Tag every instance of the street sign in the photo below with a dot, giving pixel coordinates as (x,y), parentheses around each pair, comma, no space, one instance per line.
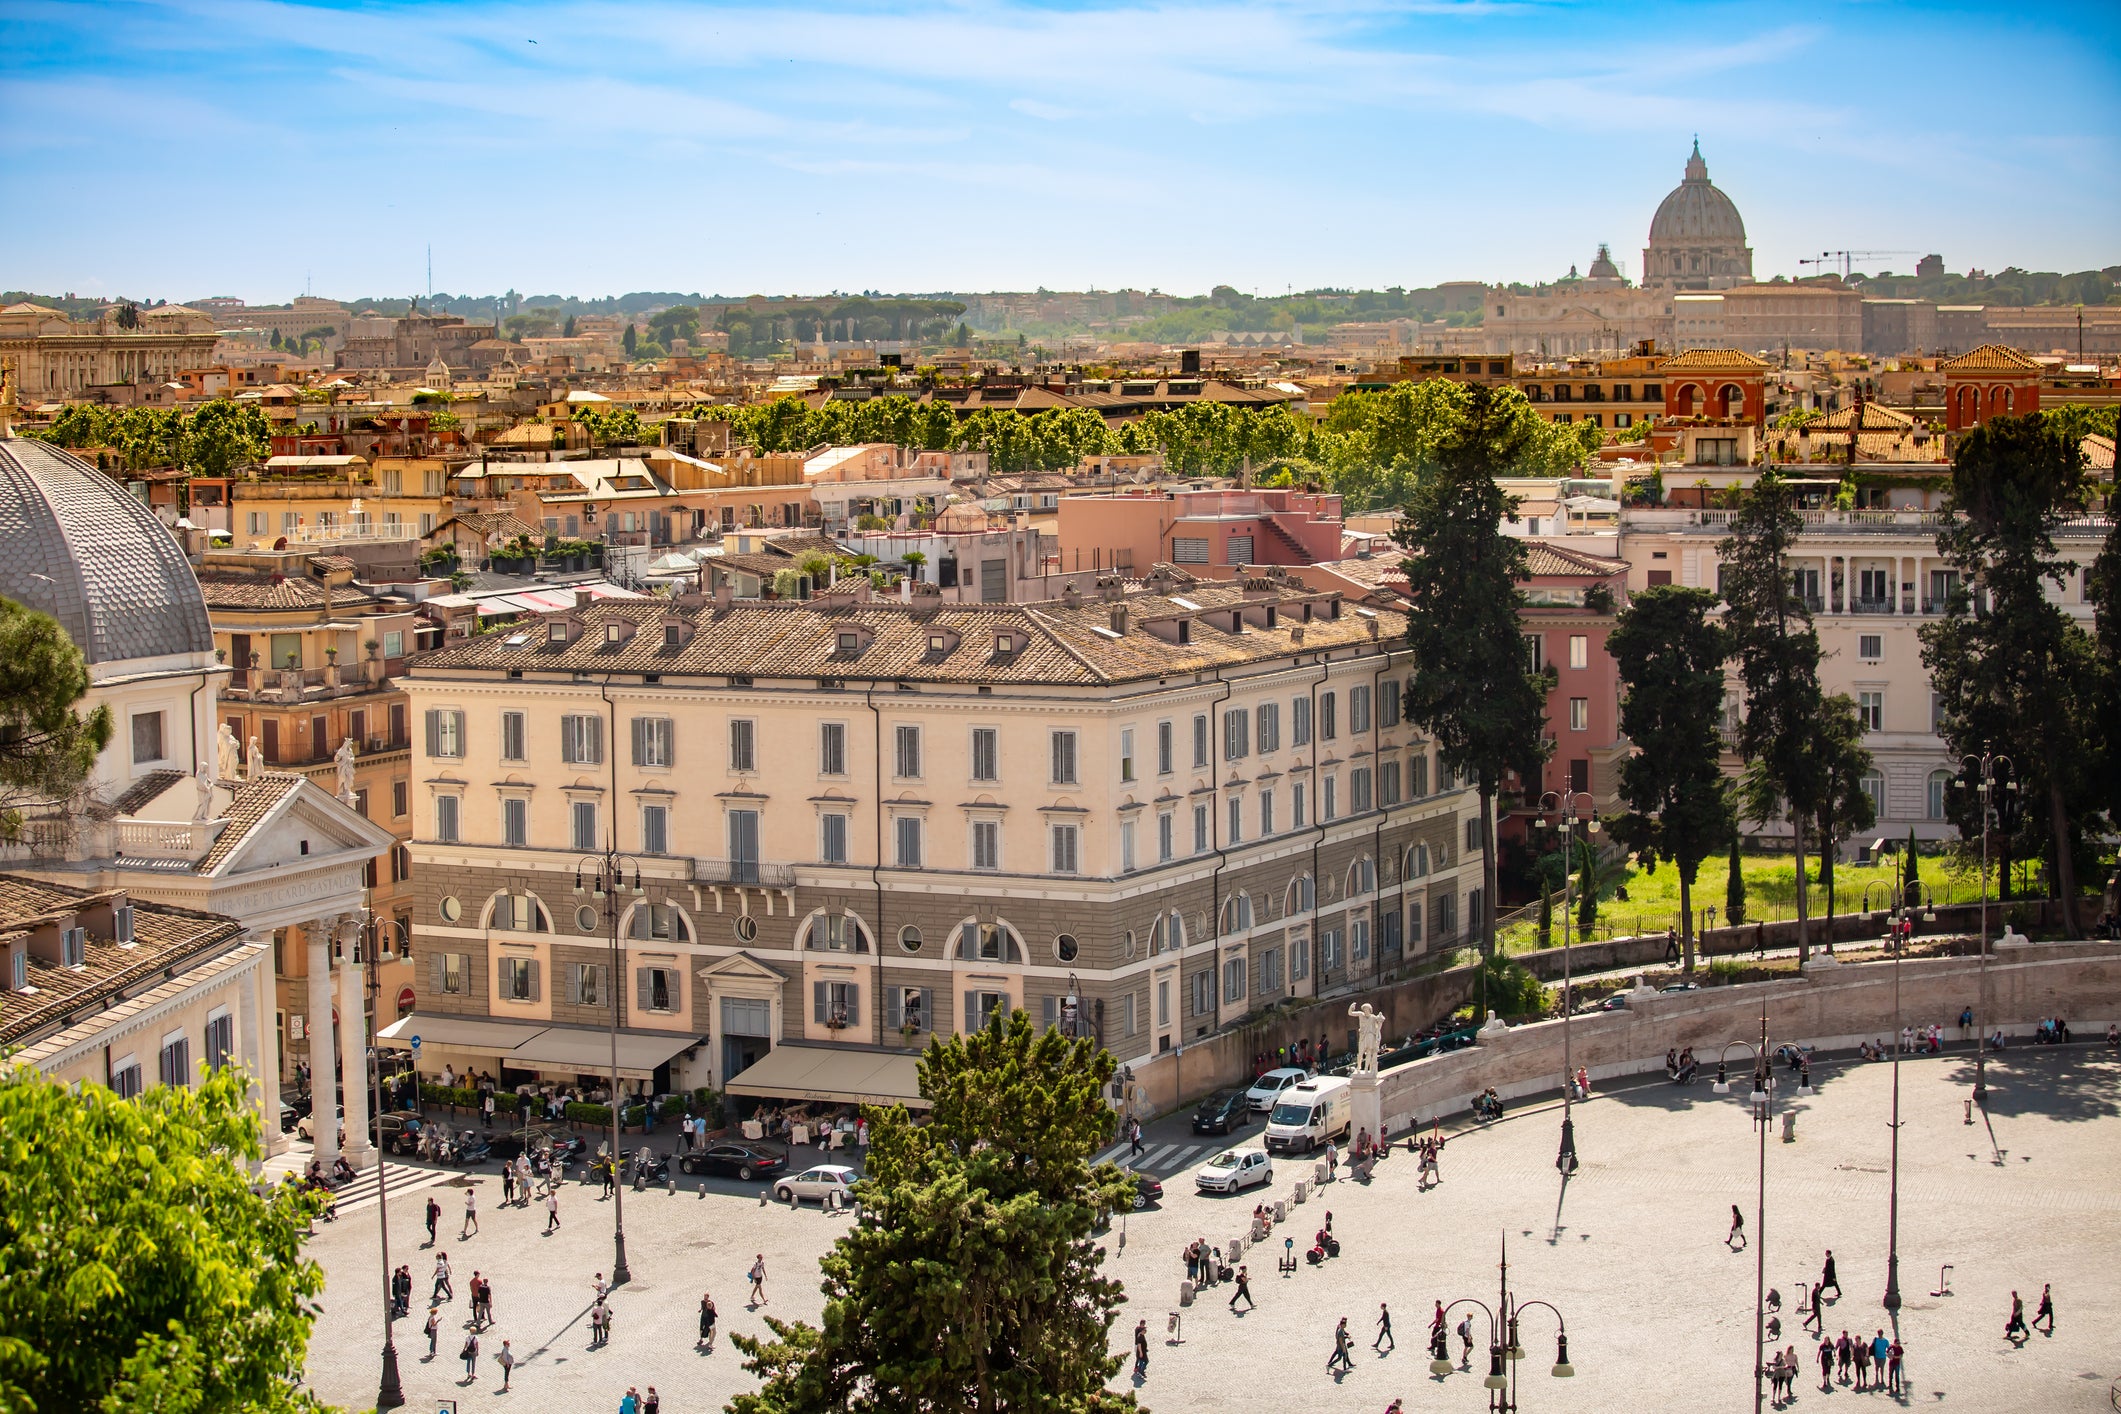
(416,1043)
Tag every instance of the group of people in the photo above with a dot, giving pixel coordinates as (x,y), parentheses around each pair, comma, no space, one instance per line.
(1873,1364)
(1300,1056)
(1428,1173)
(1487,1105)
(1680,1067)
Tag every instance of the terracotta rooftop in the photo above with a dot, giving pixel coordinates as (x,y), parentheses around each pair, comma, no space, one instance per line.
(1546,558)
(163,937)
(253,800)
(1989,358)
(262,592)
(1714,361)
(1051,643)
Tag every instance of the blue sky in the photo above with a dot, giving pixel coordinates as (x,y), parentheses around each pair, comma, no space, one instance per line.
(178,148)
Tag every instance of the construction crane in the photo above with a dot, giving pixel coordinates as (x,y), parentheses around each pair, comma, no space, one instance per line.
(1842,258)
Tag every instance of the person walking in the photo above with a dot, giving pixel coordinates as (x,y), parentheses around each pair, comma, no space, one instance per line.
(434,1216)
(471,1214)
(552,1209)
(1827,1279)
(1844,1356)
(758,1281)
(471,1356)
(1735,1238)
(1862,1352)
(1340,1356)
(630,1403)
(2046,1310)
(1881,1351)
(707,1315)
(1244,1289)
(2015,1330)
(1141,1349)
(433,1329)
(1384,1328)
(1134,1138)
(507,1361)
(1826,1362)
(1894,1355)
(442,1289)
(1465,1336)
(651,1402)
(508,1184)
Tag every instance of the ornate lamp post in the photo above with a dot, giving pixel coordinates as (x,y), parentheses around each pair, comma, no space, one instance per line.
(1566,807)
(1913,899)
(1991,780)
(390,1392)
(1504,1350)
(1762,1103)
(603,877)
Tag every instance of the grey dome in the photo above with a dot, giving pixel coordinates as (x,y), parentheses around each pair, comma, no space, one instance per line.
(1696,210)
(76,545)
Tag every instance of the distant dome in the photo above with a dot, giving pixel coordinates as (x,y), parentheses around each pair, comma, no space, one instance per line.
(85,551)
(1603,267)
(1696,210)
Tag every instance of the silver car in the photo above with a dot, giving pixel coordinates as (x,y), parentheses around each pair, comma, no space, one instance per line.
(819,1183)
(1233,1170)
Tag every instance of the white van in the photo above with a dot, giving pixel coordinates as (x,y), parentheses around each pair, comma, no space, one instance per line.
(1309,1113)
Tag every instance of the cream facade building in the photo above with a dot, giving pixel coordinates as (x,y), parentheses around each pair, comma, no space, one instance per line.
(1141,814)
(55,357)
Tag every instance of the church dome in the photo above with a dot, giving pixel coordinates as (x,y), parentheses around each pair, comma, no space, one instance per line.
(84,550)
(1696,211)
(1603,267)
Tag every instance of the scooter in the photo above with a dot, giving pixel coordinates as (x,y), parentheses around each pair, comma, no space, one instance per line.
(469,1149)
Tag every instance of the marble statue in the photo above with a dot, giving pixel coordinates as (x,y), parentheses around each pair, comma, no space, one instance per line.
(228,755)
(343,758)
(257,758)
(1371,1024)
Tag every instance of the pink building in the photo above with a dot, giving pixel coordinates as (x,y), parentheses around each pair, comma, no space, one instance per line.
(1133,530)
(1572,597)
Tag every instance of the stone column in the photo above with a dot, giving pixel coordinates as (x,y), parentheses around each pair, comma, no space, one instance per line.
(266,1018)
(323,1052)
(1366,1110)
(353,1041)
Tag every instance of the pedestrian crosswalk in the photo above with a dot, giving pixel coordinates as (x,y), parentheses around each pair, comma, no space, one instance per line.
(1159,1160)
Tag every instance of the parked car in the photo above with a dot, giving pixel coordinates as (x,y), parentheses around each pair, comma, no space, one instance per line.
(729,1158)
(307,1127)
(1147,1190)
(1267,1089)
(1221,1112)
(819,1183)
(1233,1170)
(399,1131)
(1680,987)
(530,1139)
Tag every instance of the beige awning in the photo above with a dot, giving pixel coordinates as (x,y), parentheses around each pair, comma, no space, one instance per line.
(583,1051)
(833,1074)
(474,1033)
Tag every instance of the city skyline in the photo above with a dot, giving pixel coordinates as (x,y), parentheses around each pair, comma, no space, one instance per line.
(1018,146)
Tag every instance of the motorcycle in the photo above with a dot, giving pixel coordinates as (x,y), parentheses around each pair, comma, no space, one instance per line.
(468,1149)
(648,1167)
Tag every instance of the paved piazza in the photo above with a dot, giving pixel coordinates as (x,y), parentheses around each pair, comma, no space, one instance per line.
(1659,1310)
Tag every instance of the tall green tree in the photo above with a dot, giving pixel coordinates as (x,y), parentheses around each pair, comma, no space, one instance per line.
(138,1271)
(1734,888)
(47,748)
(224,436)
(1911,874)
(1670,652)
(1845,807)
(970,1281)
(1472,688)
(2011,670)
(1777,651)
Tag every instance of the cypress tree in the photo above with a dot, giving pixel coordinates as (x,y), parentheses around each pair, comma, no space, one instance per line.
(1734,889)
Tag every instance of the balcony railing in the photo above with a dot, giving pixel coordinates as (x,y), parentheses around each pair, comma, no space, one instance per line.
(165,839)
(1871,606)
(386,531)
(744,871)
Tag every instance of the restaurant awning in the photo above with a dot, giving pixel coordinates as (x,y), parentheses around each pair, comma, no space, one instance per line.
(833,1074)
(476,1033)
(579,1049)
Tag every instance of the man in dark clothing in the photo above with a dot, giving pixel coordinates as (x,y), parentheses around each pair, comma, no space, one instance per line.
(1244,1290)
(434,1215)
(1384,1328)
(2047,1309)
(1340,1354)
(1141,1347)
(1827,1279)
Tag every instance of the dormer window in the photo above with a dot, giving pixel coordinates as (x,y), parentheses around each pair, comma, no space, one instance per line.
(1185,630)
(1005,643)
(556,633)
(670,635)
(612,633)
(850,642)
(938,644)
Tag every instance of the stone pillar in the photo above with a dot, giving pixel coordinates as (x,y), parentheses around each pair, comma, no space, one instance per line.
(1367,1106)
(267,1019)
(353,1041)
(255,1048)
(323,1052)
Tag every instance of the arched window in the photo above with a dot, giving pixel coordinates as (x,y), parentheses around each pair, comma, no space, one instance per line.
(659,922)
(1874,787)
(1940,781)
(1687,394)
(836,932)
(1969,404)
(1302,896)
(1237,914)
(1362,876)
(1418,861)
(1732,399)
(520,913)
(1167,933)
(989,942)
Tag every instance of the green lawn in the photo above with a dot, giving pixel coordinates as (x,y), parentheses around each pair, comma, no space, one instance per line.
(1652,902)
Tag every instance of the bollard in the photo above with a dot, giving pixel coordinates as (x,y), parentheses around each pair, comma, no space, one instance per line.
(1281,1211)
(832,1199)
(793,1201)
(762,1194)
(1302,1189)
(1185,1292)
(1318,1175)
(703,1189)
(1789,1126)
(672,1181)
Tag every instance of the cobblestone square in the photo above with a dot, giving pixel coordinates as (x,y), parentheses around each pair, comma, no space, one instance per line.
(1660,1311)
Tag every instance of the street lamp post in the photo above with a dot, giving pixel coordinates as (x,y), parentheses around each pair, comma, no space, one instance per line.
(1565,809)
(1762,1102)
(606,881)
(390,1393)
(1505,1352)
(1992,779)
(1915,898)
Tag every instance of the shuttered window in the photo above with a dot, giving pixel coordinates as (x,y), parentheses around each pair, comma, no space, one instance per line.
(585,984)
(1238,550)
(512,737)
(1300,721)
(1359,709)
(836,1003)
(583,813)
(655,829)
(832,749)
(174,1063)
(582,741)
(1236,734)
(743,746)
(907,761)
(445,734)
(446,830)
(907,830)
(652,741)
(659,989)
(832,838)
(1189,550)
(909,1008)
(1064,758)
(515,822)
(986,754)
(1268,723)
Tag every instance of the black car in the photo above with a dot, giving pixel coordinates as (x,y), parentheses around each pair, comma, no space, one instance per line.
(1147,1190)
(530,1139)
(400,1131)
(730,1158)
(1221,1112)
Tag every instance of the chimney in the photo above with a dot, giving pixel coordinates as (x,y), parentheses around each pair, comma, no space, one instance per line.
(583,598)
(1071,596)
(1119,619)
(724,594)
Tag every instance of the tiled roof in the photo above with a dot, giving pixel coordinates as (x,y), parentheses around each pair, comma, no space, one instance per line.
(1989,358)
(254,799)
(1877,417)
(493,525)
(1546,558)
(1055,643)
(136,796)
(1713,361)
(2099,452)
(163,937)
(248,591)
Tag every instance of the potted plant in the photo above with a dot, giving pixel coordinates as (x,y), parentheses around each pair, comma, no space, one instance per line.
(372,647)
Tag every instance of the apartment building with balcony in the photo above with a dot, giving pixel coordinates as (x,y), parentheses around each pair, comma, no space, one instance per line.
(1143,813)
(1132,530)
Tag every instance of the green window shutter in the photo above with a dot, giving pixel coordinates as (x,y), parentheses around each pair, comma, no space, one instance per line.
(535,993)
(820,1002)
(894,1009)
